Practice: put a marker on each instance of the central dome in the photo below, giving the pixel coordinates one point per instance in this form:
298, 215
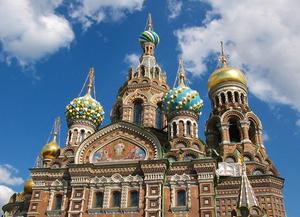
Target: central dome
225, 74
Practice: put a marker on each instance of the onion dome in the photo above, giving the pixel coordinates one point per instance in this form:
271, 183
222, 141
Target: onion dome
85, 107
28, 186
225, 73
182, 97
149, 35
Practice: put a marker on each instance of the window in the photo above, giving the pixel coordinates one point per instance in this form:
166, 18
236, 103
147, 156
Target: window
217, 100
81, 135
116, 199
236, 96
158, 118
70, 136
134, 199
181, 198
138, 111
58, 202
174, 125
252, 132
188, 128
223, 99
234, 131
230, 97
99, 200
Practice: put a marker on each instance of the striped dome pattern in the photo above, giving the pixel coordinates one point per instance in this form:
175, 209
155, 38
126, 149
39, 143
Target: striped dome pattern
149, 36
85, 108
182, 98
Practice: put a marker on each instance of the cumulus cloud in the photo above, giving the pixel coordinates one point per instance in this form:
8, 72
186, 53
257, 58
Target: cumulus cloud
132, 59
31, 30
5, 193
8, 175
96, 11
174, 7
262, 37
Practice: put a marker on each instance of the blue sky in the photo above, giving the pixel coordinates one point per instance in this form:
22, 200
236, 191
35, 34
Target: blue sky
46, 50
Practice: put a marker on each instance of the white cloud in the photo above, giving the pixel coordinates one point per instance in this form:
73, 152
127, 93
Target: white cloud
5, 193
260, 36
96, 11
174, 7
132, 59
31, 30
8, 175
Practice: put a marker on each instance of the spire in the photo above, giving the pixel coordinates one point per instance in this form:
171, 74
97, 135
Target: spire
222, 58
149, 23
56, 128
246, 196
181, 73
91, 81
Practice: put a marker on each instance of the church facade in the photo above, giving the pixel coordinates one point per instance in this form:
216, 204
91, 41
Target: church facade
149, 161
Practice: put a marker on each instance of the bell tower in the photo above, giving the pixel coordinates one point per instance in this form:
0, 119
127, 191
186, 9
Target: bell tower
232, 126
139, 100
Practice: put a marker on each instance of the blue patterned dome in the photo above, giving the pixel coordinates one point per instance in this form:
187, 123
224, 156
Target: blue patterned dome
85, 108
149, 36
182, 98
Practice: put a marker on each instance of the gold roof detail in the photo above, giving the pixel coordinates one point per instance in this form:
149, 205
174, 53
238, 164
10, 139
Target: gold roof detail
28, 186
225, 73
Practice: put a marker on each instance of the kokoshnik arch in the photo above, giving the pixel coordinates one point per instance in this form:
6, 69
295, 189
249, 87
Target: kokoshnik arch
149, 161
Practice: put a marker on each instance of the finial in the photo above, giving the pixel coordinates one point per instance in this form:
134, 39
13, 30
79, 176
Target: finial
56, 128
181, 72
222, 57
91, 81
149, 22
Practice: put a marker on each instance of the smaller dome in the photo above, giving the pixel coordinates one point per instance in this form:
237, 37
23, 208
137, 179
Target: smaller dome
182, 98
149, 36
225, 74
50, 150
85, 108
28, 186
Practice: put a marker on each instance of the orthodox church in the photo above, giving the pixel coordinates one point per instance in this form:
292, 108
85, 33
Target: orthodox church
149, 161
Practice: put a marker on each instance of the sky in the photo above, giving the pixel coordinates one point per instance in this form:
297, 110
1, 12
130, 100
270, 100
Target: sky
47, 48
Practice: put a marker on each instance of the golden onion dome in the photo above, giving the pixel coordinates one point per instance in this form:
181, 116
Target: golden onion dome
224, 74
28, 186
50, 150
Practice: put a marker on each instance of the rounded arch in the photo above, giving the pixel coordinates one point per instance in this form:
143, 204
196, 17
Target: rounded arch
230, 113
251, 116
213, 132
230, 159
137, 95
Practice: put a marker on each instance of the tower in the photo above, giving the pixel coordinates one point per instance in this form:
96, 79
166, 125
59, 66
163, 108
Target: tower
139, 100
232, 126
84, 114
182, 106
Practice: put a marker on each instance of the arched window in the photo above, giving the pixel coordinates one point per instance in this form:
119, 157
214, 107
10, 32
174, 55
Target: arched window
70, 136
181, 128
138, 112
58, 202
242, 98
81, 135
252, 132
230, 97
118, 113
223, 98
234, 131
188, 128
159, 116
99, 200
174, 125
116, 199
181, 198
134, 199
236, 96
217, 100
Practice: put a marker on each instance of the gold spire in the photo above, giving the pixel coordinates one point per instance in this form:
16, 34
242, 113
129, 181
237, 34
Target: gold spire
181, 73
222, 57
91, 81
56, 128
149, 22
